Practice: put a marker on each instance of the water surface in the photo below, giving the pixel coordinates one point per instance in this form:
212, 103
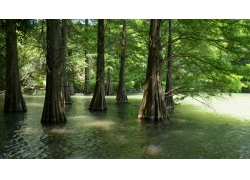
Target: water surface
194, 131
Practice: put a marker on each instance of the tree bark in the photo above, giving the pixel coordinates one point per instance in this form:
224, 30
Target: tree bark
53, 110
71, 80
121, 96
14, 101
98, 101
71, 87
153, 106
66, 99
168, 91
109, 87
87, 80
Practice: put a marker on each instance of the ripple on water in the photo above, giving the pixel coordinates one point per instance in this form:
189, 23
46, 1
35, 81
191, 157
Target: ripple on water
121, 139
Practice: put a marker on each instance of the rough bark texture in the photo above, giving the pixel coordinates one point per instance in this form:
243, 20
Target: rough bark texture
153, 105
98, 101
121, 96
53, 111
66, 99
168, 91
14, 101
87, 80
109, 87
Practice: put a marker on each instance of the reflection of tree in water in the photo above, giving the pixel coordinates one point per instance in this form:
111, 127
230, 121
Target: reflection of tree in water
79, 106
122, 110
55, 142
154, 134
10, 139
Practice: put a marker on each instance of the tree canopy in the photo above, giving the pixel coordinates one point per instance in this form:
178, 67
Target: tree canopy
209, 57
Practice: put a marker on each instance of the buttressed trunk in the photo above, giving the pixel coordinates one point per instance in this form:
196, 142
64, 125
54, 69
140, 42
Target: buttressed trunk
98, 101
53, 111
14, 101
153, 105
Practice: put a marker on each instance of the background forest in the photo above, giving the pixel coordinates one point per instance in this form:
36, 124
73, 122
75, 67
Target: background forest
208, 56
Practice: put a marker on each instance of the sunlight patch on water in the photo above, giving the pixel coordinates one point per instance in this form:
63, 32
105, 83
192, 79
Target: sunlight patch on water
179, 120
80, 118
105, 125
135, 96
29, 130
153, 149
34, 104
234, 106
57, 131
90, 121
178, 132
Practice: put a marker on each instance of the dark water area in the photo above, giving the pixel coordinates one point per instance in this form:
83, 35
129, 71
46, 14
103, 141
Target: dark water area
192, 133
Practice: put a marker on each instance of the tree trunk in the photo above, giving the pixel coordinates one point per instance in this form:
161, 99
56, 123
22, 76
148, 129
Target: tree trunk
153, 105
87, 81
109, 87
53, 111
66, 99
98, 101
14, 101
121, 96
168, 91
71, 84
71, 80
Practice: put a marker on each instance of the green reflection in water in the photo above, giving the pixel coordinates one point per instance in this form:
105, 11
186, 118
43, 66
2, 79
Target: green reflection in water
193, 131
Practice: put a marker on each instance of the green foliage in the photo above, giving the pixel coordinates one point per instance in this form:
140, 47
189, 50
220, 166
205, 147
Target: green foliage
210, 57
203, 54
31, 54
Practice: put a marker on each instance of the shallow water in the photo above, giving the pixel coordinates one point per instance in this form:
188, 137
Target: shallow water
194, 131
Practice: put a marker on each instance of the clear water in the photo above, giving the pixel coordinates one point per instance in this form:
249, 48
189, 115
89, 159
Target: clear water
194, 131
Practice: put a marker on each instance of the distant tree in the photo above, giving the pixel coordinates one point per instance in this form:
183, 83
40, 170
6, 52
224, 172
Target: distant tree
153, 105
53, 110
87, 79
98, 101
71, 81
66, 99
168, 91
121, 96
14, 101
109, 86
